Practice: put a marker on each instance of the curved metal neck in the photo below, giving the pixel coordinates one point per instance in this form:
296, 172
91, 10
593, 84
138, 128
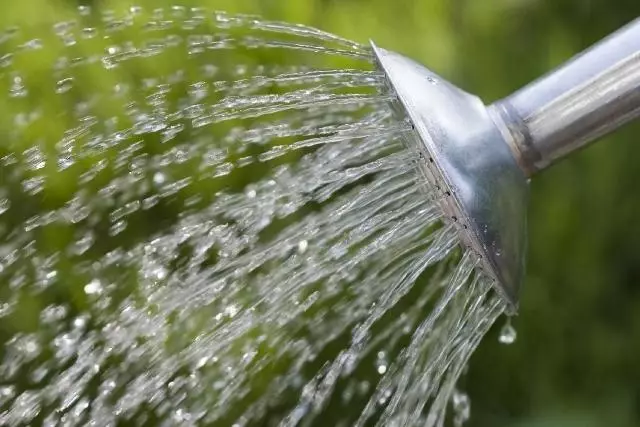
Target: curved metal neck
589, 96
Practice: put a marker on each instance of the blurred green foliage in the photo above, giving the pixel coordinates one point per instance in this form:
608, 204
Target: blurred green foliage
575, 362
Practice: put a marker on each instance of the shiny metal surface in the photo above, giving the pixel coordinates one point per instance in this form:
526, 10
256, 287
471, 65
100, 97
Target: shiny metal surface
479, 157
587, 97
483, 190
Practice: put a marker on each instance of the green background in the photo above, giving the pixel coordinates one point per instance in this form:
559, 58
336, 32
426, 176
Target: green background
576, 361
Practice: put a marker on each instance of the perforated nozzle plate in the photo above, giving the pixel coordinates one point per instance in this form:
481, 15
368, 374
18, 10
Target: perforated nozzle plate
484, 192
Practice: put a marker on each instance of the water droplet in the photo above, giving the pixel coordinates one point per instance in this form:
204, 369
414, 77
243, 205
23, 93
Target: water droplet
33, 44
6, 60
231, 310
89, 32
64, 85
347, 394
94, 287
117, 228
26, 406
160, 273
18, 89
35, 159
80, 322
508, 333
29, 346
9, 33
381, 362
83, 243
159, 178
5, 308
382, 400
7, 393
209, 70
49, 278
33, 185
5, 204
109, 63
461, 408
65, 345
198, 91
65, 162
61, 28
39, 374
53, 313
222, 20
180, 415
302, 246
149, 202
84, 10
202, 362
363, 387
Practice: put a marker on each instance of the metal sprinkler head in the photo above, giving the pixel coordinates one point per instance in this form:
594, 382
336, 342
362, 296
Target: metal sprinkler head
483, 191
479, 158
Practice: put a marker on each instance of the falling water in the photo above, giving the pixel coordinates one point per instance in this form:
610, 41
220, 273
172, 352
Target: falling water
192, 236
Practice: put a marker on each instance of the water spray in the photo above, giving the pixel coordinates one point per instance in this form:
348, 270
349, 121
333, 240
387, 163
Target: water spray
193, 238
480, 157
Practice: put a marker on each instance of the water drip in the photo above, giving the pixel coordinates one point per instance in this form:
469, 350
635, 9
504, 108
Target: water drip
508, 333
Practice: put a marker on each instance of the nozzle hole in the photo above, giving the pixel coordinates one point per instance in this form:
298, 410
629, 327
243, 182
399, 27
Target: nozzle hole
448, 193
430, 159
454, 218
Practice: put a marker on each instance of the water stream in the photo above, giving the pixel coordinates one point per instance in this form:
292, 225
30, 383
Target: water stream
212, 219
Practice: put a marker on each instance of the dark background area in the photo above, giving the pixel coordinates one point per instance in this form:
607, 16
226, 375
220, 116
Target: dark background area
576, 359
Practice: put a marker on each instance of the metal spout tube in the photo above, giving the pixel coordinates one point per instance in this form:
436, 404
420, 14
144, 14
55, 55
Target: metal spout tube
589, 96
